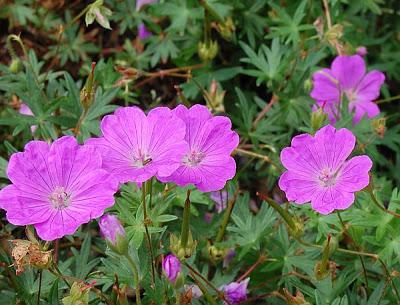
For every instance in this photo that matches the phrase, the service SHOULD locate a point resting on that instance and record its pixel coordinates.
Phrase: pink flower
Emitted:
(56, 187)
(347, 78)
(235, 293)
(318, 172)
(171, 266)
(208, 163)
(27, 111)
(136, 147)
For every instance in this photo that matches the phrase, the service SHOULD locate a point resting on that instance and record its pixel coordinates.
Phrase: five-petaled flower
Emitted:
(208, 163)
(136, 147)
(56, 187)
(318, 172)
(347, 78)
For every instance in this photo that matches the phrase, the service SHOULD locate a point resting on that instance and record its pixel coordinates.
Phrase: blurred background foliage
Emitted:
(249, 59)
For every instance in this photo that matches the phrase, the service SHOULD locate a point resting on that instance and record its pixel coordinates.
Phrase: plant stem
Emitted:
(225, 219)
(148, 237)
(40, 287)
(284, 214)
(376, 202)
(203, 289)
(149, 190)
(256, 155)
(135, 277)
(185, 222)
(389, 99)
(211, 285)
(259, 261)
(389, 277)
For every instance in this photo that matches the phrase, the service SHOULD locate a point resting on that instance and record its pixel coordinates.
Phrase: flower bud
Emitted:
(216, 97)
(78, 295)
(318, 118)
(227, 28)
(379, 126)
(215, 253)
(172, 267)
(362, 51)
(15, 65)
(194, 290)
(294, 300)
(88, 91)
(99, 12)
(235, 292)
(114, 233)
(207, 51)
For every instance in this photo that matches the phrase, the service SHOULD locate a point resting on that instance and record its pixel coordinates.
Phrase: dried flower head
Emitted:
(26, 253)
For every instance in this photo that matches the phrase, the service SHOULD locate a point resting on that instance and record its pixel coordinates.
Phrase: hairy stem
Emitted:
(148, 237)
(135, 278)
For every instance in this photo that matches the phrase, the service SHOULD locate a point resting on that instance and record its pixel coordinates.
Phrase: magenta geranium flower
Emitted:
(208, 163)
(318, 172)
(136, 147)
(56, 187)
(347, 78)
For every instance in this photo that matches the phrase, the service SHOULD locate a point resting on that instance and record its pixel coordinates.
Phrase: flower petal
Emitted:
(354, 175)
(349, 70)
(325, 87)
(328, 199)
(333, 146)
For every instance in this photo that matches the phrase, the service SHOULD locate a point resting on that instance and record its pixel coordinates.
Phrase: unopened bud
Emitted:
(318, 118)
(216, 254)
(15, 65)
(294, 300)
(171, 267)
(207, 51)
(97, 11)
(227, 28)
(114, 233)
(379, 126)
(78, 295)
(362, 51)
(88, 91)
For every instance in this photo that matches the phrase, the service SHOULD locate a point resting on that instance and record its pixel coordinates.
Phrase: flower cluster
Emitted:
(347, 78)
(57, 187)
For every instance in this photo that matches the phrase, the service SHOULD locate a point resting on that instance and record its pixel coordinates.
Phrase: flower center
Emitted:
(60, 199)
(194, 158)
(327, 178)
(141, 159)
(351, 95)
